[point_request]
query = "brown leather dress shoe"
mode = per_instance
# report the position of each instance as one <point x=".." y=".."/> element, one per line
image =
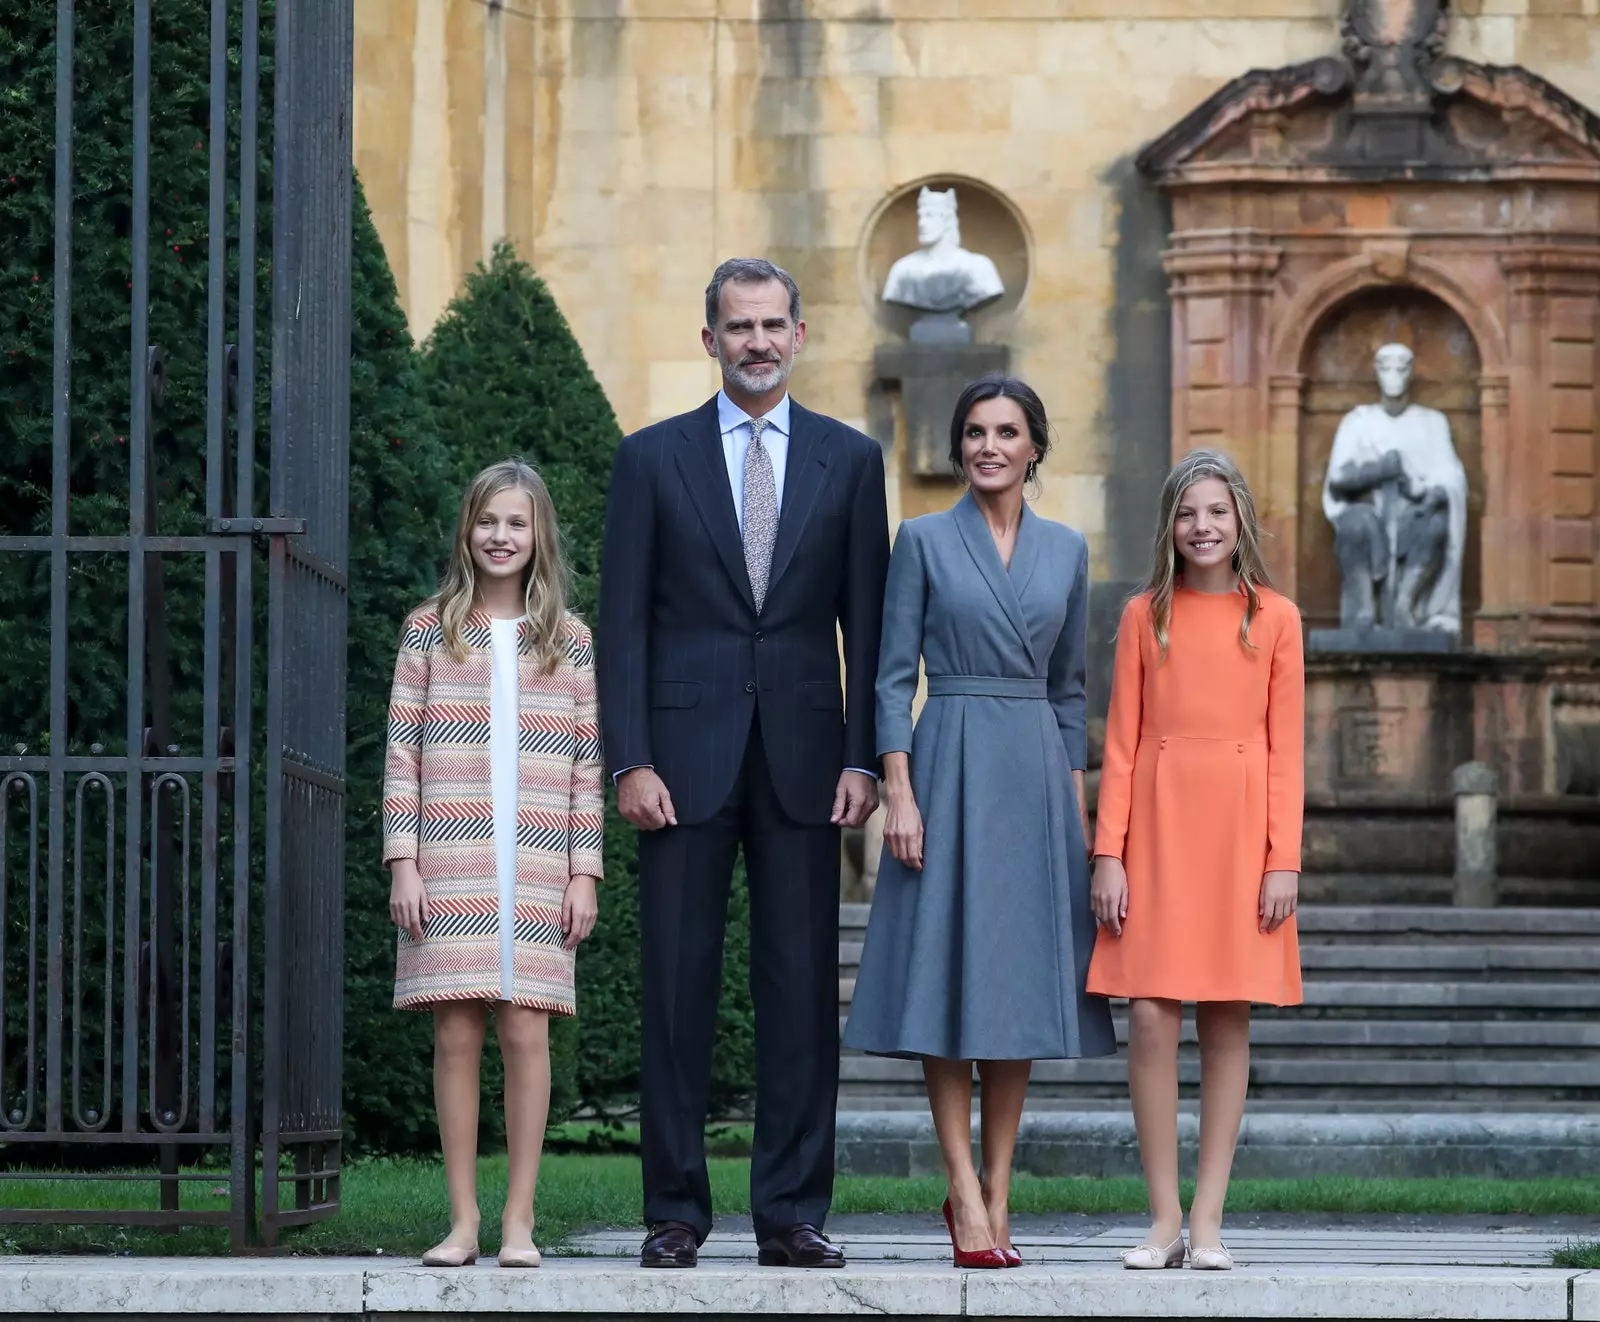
<point x="799" y="1246"/>
<point x="670" y="1244"/>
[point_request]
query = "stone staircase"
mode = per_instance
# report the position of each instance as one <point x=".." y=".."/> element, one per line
<point x="1408" y="1009"/>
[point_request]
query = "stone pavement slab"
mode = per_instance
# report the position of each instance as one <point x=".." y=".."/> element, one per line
<point x="724" y="1287"/>
<point x="1586" y="1298"/>
<point x="1267" y="1248"/>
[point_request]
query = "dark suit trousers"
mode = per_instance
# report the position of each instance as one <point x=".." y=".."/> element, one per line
<point x="685" y="873"/>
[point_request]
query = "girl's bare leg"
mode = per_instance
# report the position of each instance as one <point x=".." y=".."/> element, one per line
<point x="1005" y="1089"/>
<point x="1153" y="1084"/>
<point x="950" y="1098"/>
<point x="1224" y="1029"/>
<point x="525" y="1046"/>
<point x="458" y="1028"/>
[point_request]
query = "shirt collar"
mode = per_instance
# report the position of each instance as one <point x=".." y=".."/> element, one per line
<point x="730" y="415"/>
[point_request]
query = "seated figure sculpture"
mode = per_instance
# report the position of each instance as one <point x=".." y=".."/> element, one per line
<point x="1396" y="494"/>
<point x="941" y="276"/>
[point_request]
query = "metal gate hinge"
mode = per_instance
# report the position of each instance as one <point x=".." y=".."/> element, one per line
<point x="267" y="527"/>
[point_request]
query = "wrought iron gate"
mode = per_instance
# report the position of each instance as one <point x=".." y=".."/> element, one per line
<point x="171" y="955"/>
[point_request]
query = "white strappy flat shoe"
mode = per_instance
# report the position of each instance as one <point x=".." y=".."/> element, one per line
<point x="1211" y="1260"/>
<point x="1152" y="1257"/>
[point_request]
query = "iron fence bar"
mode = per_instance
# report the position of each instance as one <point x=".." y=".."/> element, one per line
<point x="241" y="1175"/>
<point x="97" y="1119"/>
<point x="60" y="494"/>
<point x="216" y="422"/>
<point x="109" y="763"/>
<point x="113" y="1177"/>
<point x="22" y="1116"/>
<point x="161" y="902"/>
<point x="144" y="545"/>
<point x="115" y="1138"/>
<point x="120" y="1217"/>
<point x="138" y="422"/>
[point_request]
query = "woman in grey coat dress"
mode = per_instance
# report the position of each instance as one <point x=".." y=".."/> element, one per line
<point x="980" y="934"/>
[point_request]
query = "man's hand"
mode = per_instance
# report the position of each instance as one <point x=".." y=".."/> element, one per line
<point x="644" y="801"/>
<point x="854" y="800"/>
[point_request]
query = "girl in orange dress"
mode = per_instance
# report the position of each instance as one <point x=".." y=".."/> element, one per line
<point x="1197" y="844"/>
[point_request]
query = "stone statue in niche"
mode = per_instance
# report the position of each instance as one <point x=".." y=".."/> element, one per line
<point x="1396" y="494"/>
<point x="941" y="277"/>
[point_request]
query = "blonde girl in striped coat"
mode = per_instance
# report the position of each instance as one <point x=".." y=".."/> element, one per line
<point x="492" y="821"/>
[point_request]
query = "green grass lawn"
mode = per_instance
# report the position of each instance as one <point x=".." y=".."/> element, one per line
<point x="399" y="1207"/>
<point x="1577" y="1253"/>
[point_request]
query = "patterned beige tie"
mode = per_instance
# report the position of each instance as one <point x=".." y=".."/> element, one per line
<point x="760" y="512"/>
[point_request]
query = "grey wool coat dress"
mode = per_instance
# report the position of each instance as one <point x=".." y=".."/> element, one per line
<point x="983" y="954"/>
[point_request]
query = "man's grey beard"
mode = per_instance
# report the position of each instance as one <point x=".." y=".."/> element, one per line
<point x="747" y="380"/>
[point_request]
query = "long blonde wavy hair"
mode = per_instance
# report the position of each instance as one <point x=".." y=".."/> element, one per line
<point x="544" y="580"/>
<point x="1166" y="565"/>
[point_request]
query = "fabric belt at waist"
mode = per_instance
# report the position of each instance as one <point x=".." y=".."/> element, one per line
<point x="984" y="686"/>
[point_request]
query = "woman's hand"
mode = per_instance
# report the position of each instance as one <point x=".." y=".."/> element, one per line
<point x="1108" y="893"/>
<point x="1280" y="893"/>
<point x="408" y="898"/>
<point x="579" y="909"/>
<point x="902" y="827"/>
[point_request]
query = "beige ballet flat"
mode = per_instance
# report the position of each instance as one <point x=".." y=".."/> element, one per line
<point x="1211" y="1260"/>
<point x="520" y="1258"/>
<point x="1152" y="1257"/>
<point x="450" y="1255"/>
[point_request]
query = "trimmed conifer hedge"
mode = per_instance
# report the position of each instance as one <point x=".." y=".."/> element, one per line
<point x="504" y="375"/>
<point x="501" y="374"/>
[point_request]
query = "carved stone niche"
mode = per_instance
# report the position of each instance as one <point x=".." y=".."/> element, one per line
<point x="1394" y="194"/>
<point x="1323" y="208"/>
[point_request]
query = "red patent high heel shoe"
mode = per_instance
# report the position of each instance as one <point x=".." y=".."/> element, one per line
<point x="973" y="1257"/>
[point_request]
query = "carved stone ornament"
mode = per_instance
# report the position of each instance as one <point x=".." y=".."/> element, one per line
<point x="1392" y="43"/>
<point x="1395" y="106"/>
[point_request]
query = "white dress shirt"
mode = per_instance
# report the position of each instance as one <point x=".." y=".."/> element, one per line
<point x="734" y="424"/>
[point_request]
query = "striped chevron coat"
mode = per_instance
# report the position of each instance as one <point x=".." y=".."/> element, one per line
<point x="438" y="808"/>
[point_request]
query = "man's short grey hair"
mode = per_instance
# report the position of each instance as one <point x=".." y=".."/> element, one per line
<point x="749" y="271"/>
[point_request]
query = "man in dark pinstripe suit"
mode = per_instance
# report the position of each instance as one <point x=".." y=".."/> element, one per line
<point x="741" y="540"/>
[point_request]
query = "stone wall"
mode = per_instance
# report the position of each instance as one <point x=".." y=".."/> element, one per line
<point x="626" y="146"/>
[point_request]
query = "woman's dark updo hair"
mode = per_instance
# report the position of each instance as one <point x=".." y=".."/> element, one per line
<point x="996" y="385"/>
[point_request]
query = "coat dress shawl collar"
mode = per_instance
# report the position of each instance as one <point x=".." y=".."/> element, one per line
<point x="705" y="473"/>
<point x="1007" y="585"/>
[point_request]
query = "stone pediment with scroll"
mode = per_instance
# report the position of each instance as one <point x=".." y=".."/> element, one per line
<point x="1452" y="119"/>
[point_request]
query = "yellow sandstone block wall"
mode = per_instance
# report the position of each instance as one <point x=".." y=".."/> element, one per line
<point x="627" y="146"/>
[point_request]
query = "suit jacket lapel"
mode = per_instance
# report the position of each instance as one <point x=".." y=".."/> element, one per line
<point x="980" y="546"/>
<point x="802" y="483"/>
<point x="705" y="474"/>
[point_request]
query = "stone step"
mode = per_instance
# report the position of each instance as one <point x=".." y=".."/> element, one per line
<point x="1493" y="1039"/>
<point x="1327" y="1075"/>
<point x="1370" y="923"/>
<point x="1510" y="961"/>
<point x="1505" y="999"/>
<point x="1056" y="1100"/>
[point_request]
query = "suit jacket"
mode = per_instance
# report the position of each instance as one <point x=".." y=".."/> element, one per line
<point x="685" y="660"/>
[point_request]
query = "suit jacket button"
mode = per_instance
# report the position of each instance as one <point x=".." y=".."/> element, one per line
<point x="761" y="638"/>
<point x="749" y="688"/>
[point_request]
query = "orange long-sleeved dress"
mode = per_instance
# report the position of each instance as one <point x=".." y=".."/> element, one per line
<point x="1202" y="791"/>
